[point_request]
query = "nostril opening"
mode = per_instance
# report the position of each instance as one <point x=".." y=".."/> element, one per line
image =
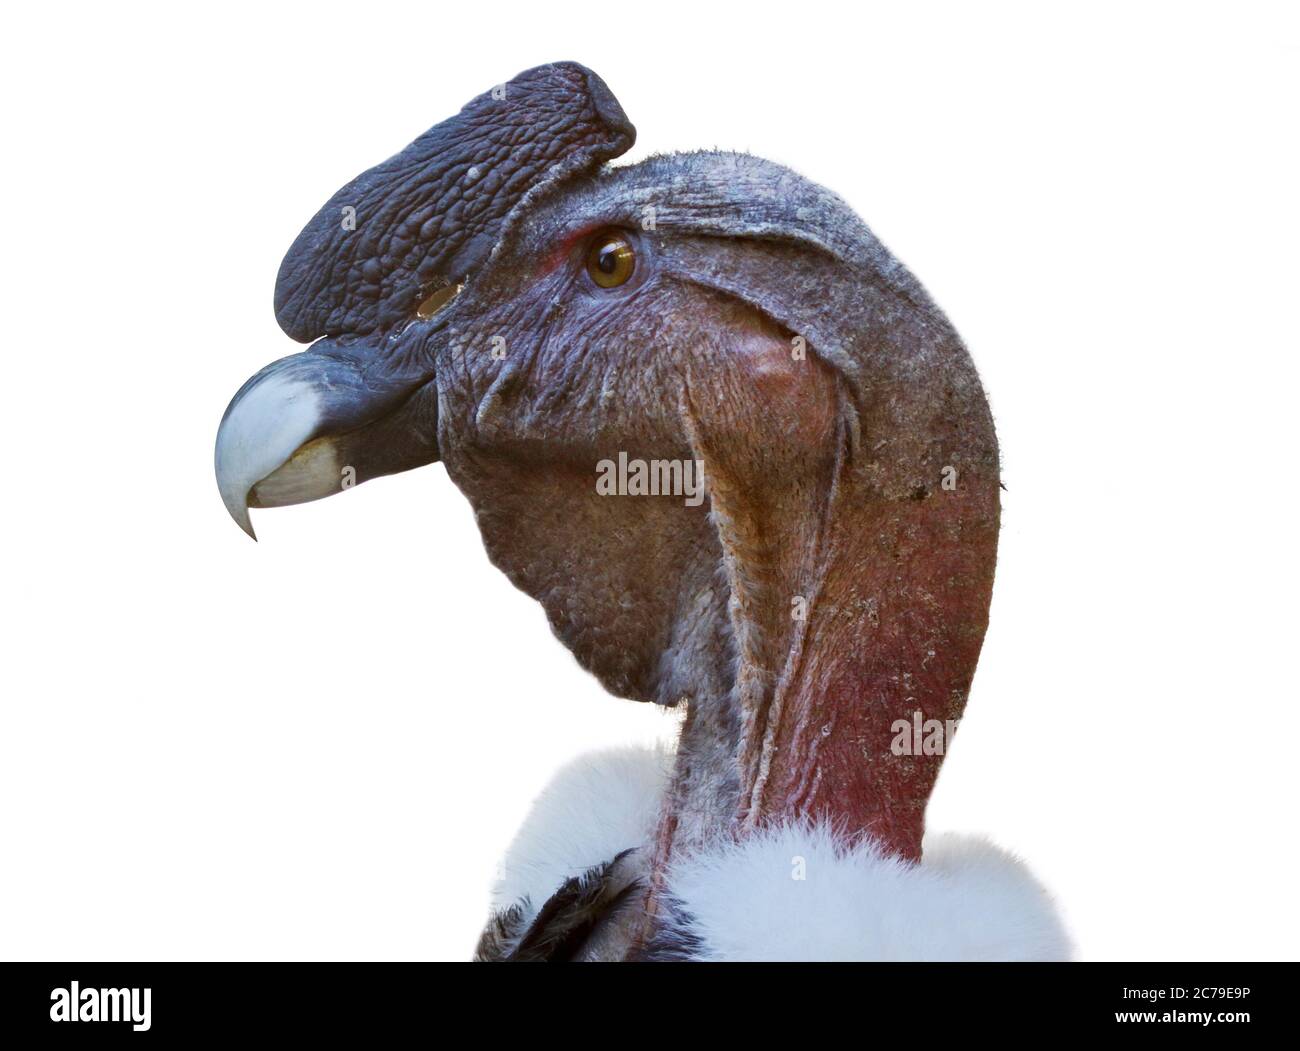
<point x="438" y="300"/>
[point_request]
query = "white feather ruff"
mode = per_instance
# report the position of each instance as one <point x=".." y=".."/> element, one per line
<point x="796" y="892"/>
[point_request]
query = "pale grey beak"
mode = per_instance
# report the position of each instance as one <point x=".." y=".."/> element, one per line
<point x="313" y="424"/>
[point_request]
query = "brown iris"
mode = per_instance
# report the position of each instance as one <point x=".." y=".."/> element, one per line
<point x="611" y="259"/>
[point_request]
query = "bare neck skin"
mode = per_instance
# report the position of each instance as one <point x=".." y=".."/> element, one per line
<point x="859" y="580"/>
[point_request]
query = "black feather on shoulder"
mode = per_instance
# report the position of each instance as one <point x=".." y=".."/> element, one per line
<point x="564" y="925"/>
<point x="502" y="933"/>
<point x="672" y="940"/>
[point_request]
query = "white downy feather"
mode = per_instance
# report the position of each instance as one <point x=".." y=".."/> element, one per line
<point x="790" y="893"/>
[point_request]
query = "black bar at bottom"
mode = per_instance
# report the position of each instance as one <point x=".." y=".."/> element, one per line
<point x="601" y="1003"/>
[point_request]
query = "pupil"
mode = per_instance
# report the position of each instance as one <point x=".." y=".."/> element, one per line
<point x="608" y="258"/>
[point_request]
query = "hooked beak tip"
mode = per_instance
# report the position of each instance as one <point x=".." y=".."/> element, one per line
<point x="242" y="519"/>
<point x="267" y="421"/>
<point x="236" y="506"/>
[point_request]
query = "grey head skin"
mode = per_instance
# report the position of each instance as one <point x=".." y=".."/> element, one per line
<point x="837" y="576"/>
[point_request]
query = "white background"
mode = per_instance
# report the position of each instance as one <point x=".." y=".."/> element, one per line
<point x="317" y="746"/>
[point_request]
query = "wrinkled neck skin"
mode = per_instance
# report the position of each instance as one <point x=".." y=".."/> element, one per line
<point x="858" y="585"/>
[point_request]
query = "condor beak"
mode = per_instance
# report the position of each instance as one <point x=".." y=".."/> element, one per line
<point x="316" y="423"/>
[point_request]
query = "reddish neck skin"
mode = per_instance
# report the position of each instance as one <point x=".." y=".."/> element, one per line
<point x="837" y="508"/>
<point x="894" y="627"/>
<point x="844" y="506"/>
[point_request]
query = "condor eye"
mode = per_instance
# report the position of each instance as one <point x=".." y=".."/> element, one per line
<point x="611" y="259"/>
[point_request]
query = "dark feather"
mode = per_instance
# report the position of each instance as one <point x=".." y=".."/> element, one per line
<point x="672" y="940"/>
<point x="502" y="933"/>
<point x="565" y="924"/>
